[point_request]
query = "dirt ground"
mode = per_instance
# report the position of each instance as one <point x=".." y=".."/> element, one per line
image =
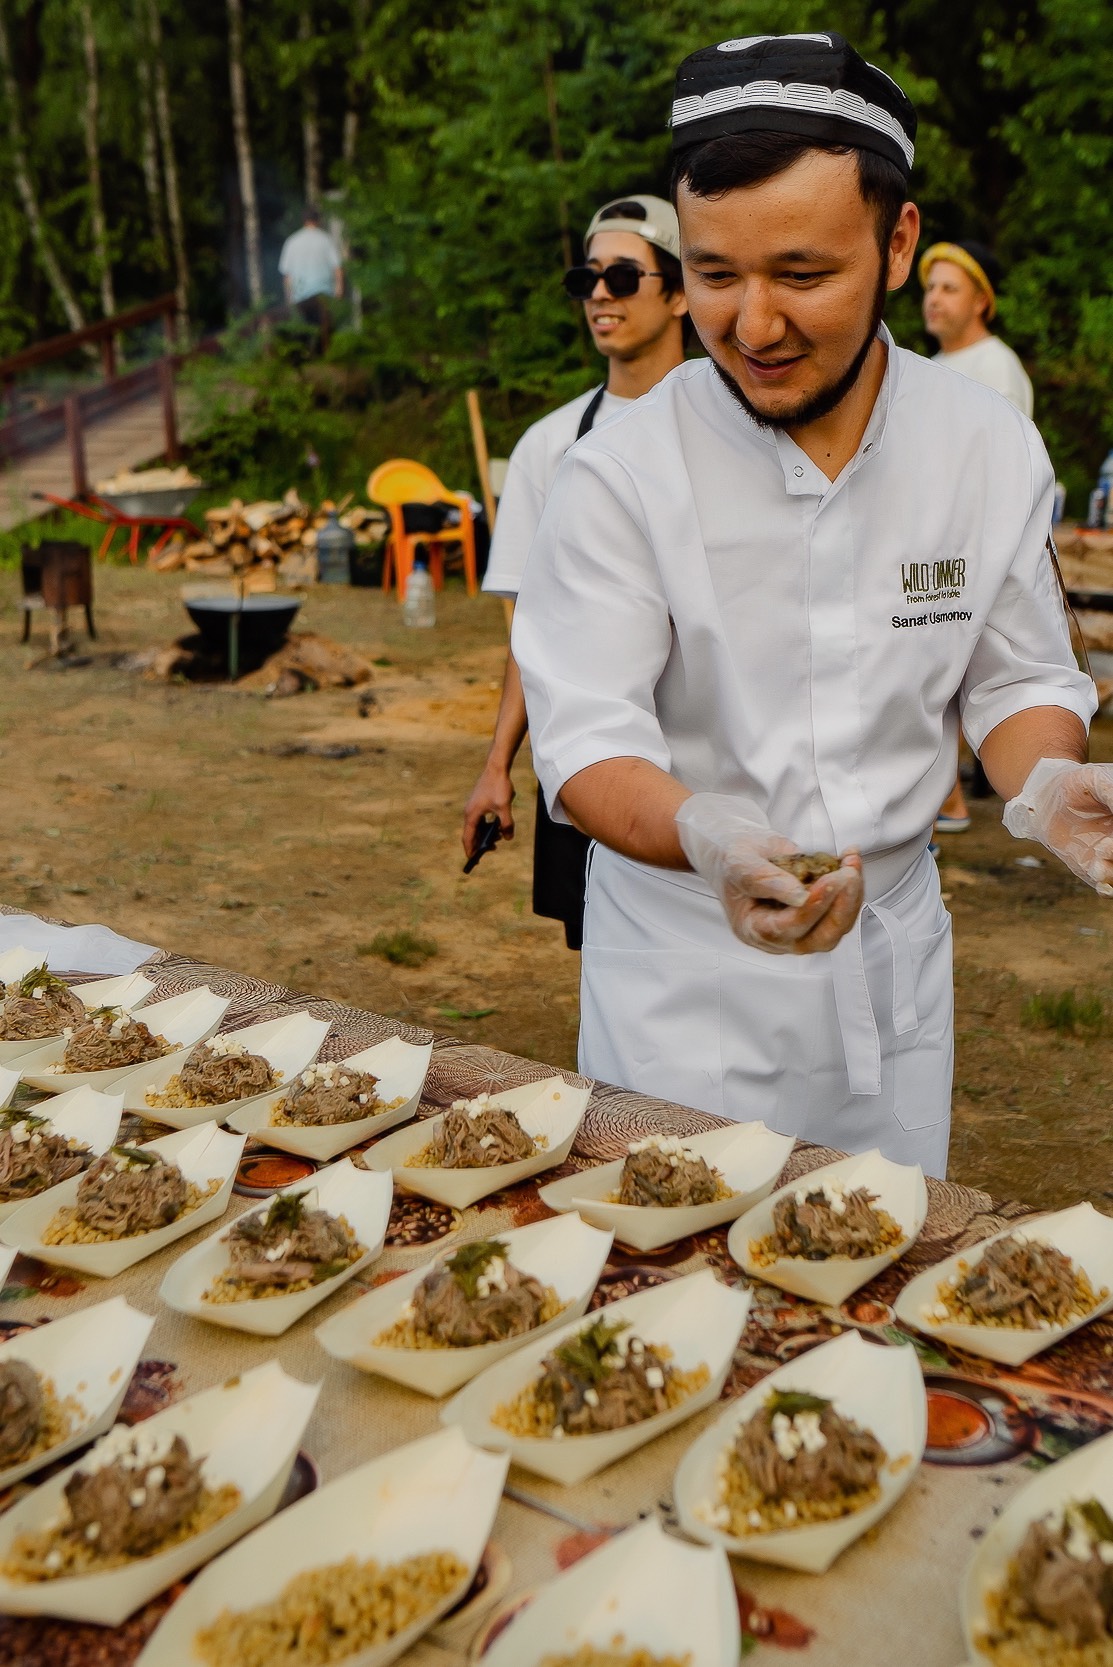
<point x="178" y="815"/>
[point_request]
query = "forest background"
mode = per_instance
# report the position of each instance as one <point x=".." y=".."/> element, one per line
<point x="157" y="144"/>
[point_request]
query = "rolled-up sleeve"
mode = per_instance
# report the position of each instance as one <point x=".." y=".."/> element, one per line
<point x="592" y="632"/>
<point x="1023" y="657"/>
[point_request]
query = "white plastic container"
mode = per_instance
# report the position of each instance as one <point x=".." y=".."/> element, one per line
<point x="420" y="605"/>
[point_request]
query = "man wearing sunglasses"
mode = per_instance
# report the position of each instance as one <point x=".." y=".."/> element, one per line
<point x="631" y="289"/>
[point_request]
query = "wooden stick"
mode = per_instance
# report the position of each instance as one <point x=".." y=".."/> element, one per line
<point x="482" y="462"/>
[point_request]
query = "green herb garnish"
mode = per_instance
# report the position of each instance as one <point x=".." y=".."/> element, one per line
<point x="11" y="1118"/>
<point x="1096" y="1518"/>
<point x="592" y="1354"/>
<point x="109" y="1012"/>
<point x="39" y="979"/>
<point x="792" y="1401"/>
<point x="286" y="1211"/>
<point x="329" y="1270"/>
<point x="135" y="1155"/>
<point x="471" y="1262"/>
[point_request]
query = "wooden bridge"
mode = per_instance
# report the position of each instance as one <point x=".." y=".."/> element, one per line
<point x="123" y="419"/>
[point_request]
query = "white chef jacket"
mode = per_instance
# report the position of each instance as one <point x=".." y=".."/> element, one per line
<point x="700" y="595"/>
<point x="529" y="479"/>
<point x="994" y="363"/>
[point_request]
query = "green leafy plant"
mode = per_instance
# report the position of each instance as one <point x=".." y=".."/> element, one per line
<point x="1064" y="1011"/>
<point x="401" y="949"/>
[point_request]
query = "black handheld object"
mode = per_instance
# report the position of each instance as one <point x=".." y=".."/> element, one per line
<point x="489" y="835"/>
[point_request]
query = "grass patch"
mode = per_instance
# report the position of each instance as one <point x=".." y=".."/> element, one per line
<point x="1065" y="1012"/>
<point x="401" y="949"/>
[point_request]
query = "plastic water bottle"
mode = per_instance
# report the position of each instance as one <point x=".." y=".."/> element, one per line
<point x="1105" y="485"/>
<point x="420" y="605"/>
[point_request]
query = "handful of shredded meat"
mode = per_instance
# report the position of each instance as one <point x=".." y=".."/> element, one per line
<point x="808" y="866"/>
<point x="1062" y="1575"/>
<point x="814" y="1454"/>
<point x="328" y="1094"/>
<point x="134" y="1505"/>
<point x="1023" y="1279"/>
<point x="129" y="1191"/>
<point x="33" y="1157"/>
<point x="603" y="1380"/>
<point x="220" y="1070"/>
<point x="39" y="1005"/>
<point x="288" y="1242"/>
<point x="21" y="1410"/>
<point x="814" y="1223"/>
<point x="111" y="1038"/>
<point x="659" y="1172"/>
<point x="477" y="1296"/>
<point x="475" y="1134"/>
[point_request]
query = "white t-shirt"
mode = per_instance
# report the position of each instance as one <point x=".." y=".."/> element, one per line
<point x="993" y="363"/>
<point x="700" y="595"/>
<point x="310" y="260"/>
<point x="533" y="466"/>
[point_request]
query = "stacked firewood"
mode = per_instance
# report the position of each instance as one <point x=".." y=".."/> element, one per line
<point x="267" y="543"/>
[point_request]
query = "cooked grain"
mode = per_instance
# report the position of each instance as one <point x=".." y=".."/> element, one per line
<point x="26" y="1560"/>
<point x="65" y="1227"/>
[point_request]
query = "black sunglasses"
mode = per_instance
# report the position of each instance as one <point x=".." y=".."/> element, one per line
<point x="621" y="279"/>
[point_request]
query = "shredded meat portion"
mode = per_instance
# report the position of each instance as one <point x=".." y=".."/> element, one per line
<point x="814" y="1227"/>
<point x="327" y="1094"/>
<point x="135" y="1507"/>
<point x="603" y="1380"/>
<point x="1068" y="1589"/>
<point x="464" y="1311"/>
<point x="33" y="1157"/>
<point x="835" y="1459"/>
<point x="213" y="1078"/>
<point x="658" y="1175"/>
<point x="288" y="1243"/>
<point x="111" y="1039"/>
<point x="469" y="1139"/>
<point x="21" y="1410"/>
<point x="1017" y="1277"/>
<point x="25" y="1017"/>
<point x="127" y="1191"/>
<point x="809" y="866"/>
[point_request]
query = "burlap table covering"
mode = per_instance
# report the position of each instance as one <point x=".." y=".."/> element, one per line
<point x="896" y="1590"/>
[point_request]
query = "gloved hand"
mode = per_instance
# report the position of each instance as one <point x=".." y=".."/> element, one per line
<point x="767" y="907"/>
<point x="1068" y="807"/>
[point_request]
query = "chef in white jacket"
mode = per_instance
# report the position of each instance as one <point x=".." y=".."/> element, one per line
<point x="760" y="605"/>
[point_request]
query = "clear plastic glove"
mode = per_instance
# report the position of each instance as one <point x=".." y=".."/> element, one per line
<point x="1068" y="807"/>
<point x="767" y="907"/>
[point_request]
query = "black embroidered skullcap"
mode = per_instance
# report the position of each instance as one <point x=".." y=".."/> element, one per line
<point x="813" y="85"/>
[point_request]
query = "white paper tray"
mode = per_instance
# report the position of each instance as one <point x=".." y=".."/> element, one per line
<point x="128" y="990"/>
<point x="183" y="1020"/>
<point x="287" y="1044"/>
<point x="401" y="1068"/>
<point x="82" y="1114"/>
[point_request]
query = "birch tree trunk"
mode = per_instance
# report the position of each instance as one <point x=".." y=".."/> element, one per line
<point x="310" y="113"/>
<point x="148" y="139"/>
<point x="23" y="184"/>
<point x="242" y="135"/>
<point x="355" y="86"/>
<point x="170" y="168"/>
<point x="92" y="157"/>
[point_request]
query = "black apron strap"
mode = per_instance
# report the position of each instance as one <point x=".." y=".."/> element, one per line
<point x="591" y="411"/>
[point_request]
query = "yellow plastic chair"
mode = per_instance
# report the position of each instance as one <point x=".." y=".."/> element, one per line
<point x="402" y="481"/>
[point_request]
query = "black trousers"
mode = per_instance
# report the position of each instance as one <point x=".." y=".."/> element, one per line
<point x="559" y="873"/>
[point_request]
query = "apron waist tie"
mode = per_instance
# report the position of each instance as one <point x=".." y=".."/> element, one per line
<point x="861" y="1039"/>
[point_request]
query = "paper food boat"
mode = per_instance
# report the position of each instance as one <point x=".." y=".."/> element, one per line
<point x="129" y="990"/>
<point x="645" y="1587"/>
<point x="899" y="1188"/>
<point x="9" y="1082"/>
<point x="342" y="1189"/>
<point x="566" y="1254"/>
<point x="202" y="1155"/>
<point x="248" y="1430"/>
<point x="7" y="1257"/>
<point x="288" y="1045"/>
<point x="551" y="1109"/>
<point x="436" y="1494"/>
<point x="881" y="1389"/>
<point x="89" y="1356"/>
<point x="82" y="1114"/>
<point x="699" y="1319"/>
<point x="400" y="1067"/>
<point x="748" y="1155"/>
<point x="1082" y="1233"/>
<point x="183" y="1020"/>
<point x="1084" y="1474"/>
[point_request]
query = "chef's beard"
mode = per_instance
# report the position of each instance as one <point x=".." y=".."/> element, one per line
<point x="824" y="400"/>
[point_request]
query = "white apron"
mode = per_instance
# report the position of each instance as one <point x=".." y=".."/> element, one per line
<point x="851" y="1049"/>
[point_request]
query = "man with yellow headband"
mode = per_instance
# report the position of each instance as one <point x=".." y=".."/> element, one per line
<point x="960" y="300"/>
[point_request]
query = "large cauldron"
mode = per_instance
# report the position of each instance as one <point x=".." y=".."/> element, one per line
<point x="262" y="623"/>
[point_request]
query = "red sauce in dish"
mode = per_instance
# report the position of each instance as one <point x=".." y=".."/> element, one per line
<point x="954" y="1421"/>
<point x="271" y="1172"/>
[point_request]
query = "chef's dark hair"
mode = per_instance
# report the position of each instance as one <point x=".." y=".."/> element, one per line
<point x="742" y="159"/>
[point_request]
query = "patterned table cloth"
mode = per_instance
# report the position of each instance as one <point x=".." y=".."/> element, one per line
<point x="894" y="1590"/>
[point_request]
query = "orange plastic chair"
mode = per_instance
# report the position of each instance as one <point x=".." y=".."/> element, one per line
<point x="401" y="481"/>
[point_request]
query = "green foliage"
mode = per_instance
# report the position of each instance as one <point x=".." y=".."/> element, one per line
<point x="401" y="949"/>
<point x="1065" y="1012"/>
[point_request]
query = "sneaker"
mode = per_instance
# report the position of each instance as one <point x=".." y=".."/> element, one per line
<point x="951" y="824"/>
